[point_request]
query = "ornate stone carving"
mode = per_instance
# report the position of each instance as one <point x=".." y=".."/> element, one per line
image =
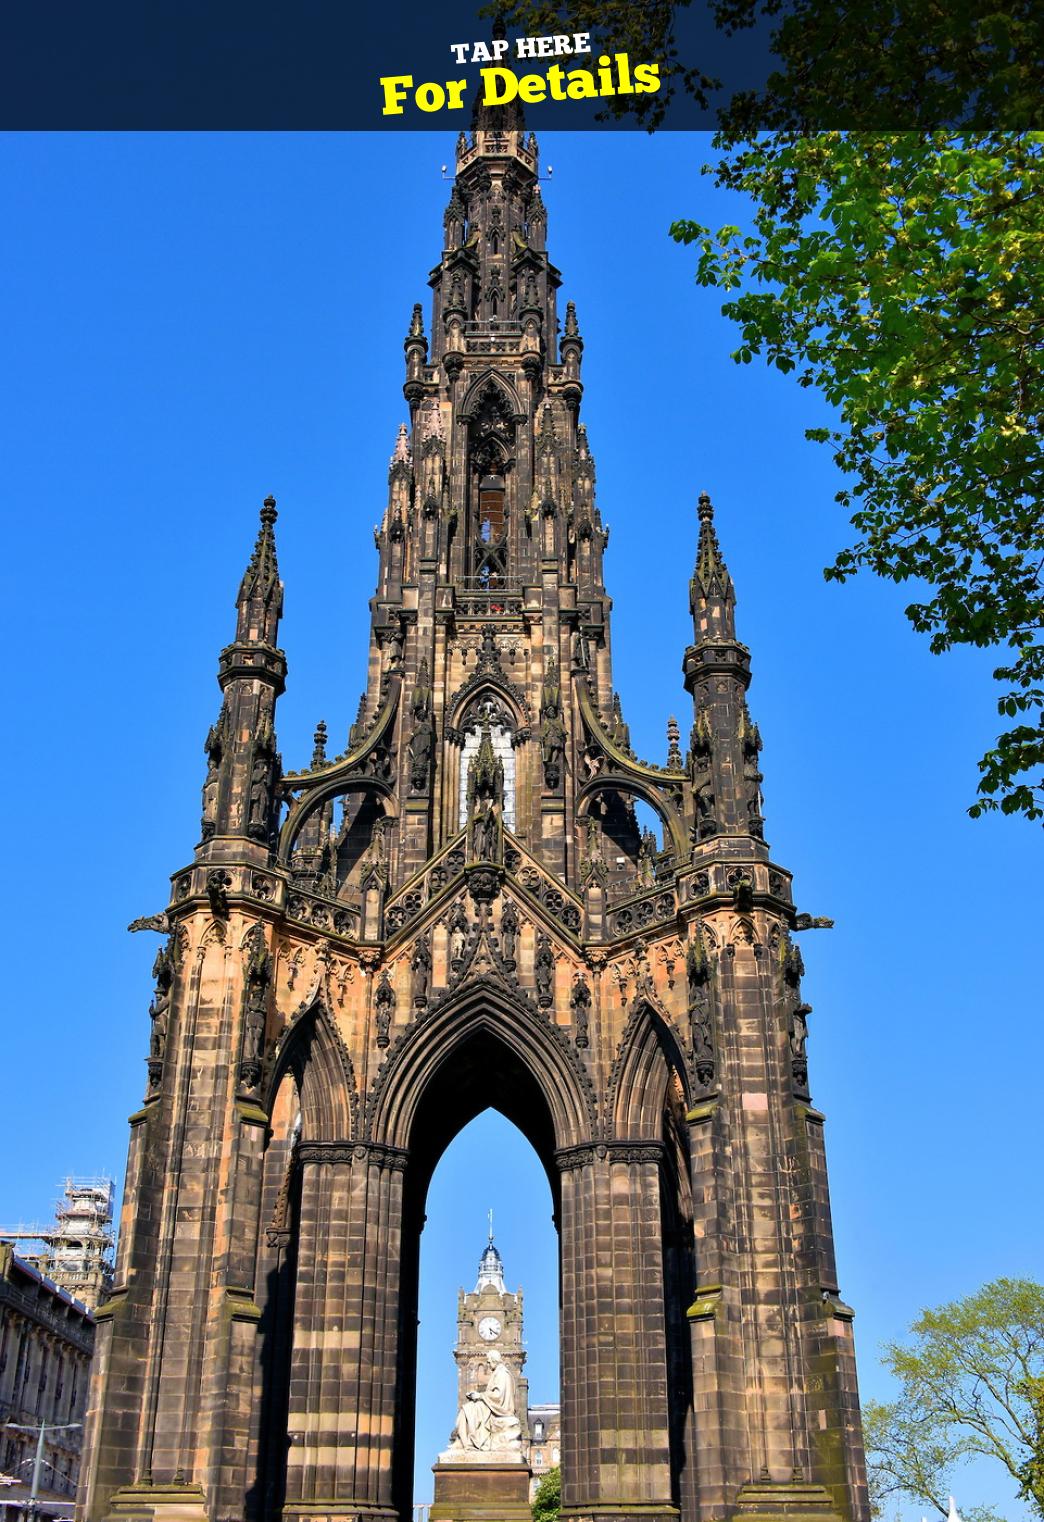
<point x="798" y="1035"/>
<point x="257" y="979"/>
<point x="509" y="928"/>
<point x="218" y="884"/>
<point x="791" y="964"/>
<point x="422" y="739"/>
<point x="158" y="922"/>
<point x="164" y="970"/>
<point x="580" y="1006"/>
<point x="544" y="972"/>
<point x="384" y="1008"/>
<point x="458" y="935"/>
<point x="552" y="730"/>
<point x="420" y="967"/>
<point x="214" y="749"/>
<point x="487" y="1425"/>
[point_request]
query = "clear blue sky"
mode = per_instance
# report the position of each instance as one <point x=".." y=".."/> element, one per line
<point x="193" y="321"/>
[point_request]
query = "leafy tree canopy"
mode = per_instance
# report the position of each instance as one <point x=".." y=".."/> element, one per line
<point x="876" y="65"/>
<point x="902" y="276"/>
<point x="548" y="1498"/>
<point x="971" y="1383"/>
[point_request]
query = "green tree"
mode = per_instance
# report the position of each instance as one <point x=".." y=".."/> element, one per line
<point x="548" y="1498"/>
<point x="871" y="65"/>
<point x="901" y="275"/>
<point x="971" y="1384"/>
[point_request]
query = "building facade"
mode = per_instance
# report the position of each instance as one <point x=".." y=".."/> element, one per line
<point x="75" y="1250"/>
<point x="545" y="1438"/>
<point x="46" y="1341"/>
<point x="455" y="909"/>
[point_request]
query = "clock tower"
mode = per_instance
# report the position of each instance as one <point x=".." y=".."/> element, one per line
<point x="488" y="1317"/>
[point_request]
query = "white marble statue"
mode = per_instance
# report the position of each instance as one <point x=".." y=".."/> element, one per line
<point x="486" y="1423"/>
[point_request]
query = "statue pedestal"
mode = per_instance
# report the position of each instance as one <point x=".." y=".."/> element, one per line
<point x="491" y="1492"/>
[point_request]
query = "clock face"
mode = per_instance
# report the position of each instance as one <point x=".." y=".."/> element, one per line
<point x="489" y="1328"/>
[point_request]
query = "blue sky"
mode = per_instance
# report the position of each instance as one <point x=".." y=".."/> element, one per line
<point x="194" y="321"/>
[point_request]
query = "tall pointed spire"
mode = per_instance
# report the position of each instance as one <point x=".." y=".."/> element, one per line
<point x="712" y="597"/>
<point x="725" y="742"/>
<point x="243" y="764"/>
<point x="260" y="599"/>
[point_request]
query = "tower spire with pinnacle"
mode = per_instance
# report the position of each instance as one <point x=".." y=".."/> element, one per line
<point x="712" y="597"/>
<point x="725" y="742"/>
<point x="243" y="766"/>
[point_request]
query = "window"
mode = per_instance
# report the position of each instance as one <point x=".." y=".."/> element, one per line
<point x="491" y="537"/>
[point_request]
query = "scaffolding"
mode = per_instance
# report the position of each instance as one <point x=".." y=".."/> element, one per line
<point x="75" y="1253"/>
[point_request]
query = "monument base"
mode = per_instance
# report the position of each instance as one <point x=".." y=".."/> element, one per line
<point x="481" y="1493"/>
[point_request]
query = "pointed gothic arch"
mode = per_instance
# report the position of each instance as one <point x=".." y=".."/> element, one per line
<point x="650" y="1051"/>
<point x="513" y="408"/>
<point x="673" y="824"/>
<point x="336" y="788"/>
<point x="510" y="1029"/>
<point x="312" y="1052"/>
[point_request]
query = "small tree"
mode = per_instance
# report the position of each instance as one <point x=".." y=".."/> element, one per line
<point x="548" y="1498"/>
<point x="971" y="1384"/>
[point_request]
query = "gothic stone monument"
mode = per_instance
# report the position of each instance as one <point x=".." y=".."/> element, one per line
<point x="458" y="909"/>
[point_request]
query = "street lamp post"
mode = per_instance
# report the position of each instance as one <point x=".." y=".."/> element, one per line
<point x="38" y="1463"/>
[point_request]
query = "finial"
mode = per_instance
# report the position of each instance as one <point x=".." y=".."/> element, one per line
<point x="705" y="509"/>
<point x="268" y="510"/>
<point x="417" y="321"/>
<point x="402" y="445"/>
<point x="674" y="756"/>
<point x="491" y="1228"/>
<point x="319" y="743"/>
<point x="571" y="325"/>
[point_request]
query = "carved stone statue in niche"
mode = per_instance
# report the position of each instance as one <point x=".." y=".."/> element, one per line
<point x="420" y="966"/>
<point x="647" y="859"/>
<point x="697" y="966"/>
<point x="422" y="739"/>
<point x="509" y="932"/>
<point x="706" y="824"/>
<point x="163" y="970"/>
<point x="580" y="1005"/>
<point x="791" y="962"/>
<point x="260" y="795"/>
<point x="394" y="639"/>
<point x="258" y="977"/>
<point x="384" y="1008"/>
<point x="214" y="749"/>
<point x="798" y="1033"/>
<point x="697" y="977"/>
<point x="544" y="971"/>
<point x="458" y="935"/>
<point x="552" y="730"/>
<point x="484" y="830"/>
<point x="552" y="746"/>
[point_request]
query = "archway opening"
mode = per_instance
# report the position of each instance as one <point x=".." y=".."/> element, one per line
<point x="482" y="1138"/>
<point x="489" y="1166"/>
